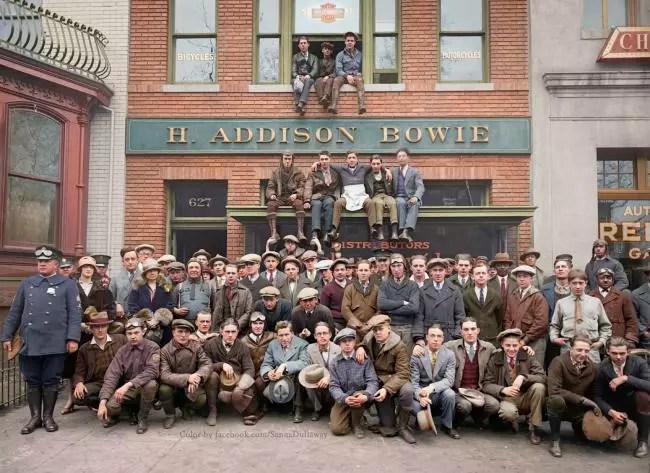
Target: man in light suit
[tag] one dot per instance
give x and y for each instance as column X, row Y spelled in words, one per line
column 408, row 189
column 432, row 377
column 122, row 283
column 321, row 353
column 271, row 261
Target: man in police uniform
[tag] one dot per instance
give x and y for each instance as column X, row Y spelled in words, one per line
column 47, row 311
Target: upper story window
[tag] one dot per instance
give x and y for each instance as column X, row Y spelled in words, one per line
column 193, row 42
column 455, row 193
column 279, row 24
column 606, row 14
column 463, row 48
column 623, row 170
column 31, row 201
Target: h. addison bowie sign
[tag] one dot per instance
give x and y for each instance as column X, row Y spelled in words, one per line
column 385, row 135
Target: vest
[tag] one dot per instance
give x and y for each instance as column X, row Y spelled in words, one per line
column 378, row 187
column 195, row 296
column 401, row 189
column 470, row 372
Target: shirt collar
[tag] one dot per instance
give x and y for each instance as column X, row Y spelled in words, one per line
column 94, row 342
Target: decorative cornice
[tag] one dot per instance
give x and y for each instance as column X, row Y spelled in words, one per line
column 567, row 81
column 31, row 89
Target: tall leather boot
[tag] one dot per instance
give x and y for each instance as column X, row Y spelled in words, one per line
column 275, row 236
column 49, row 400
column 393, row 232
column 143, row 418
column 380, row 232
column 362, row 102
column 34, row 399
column 554, row 446
column 403, row 426
column 211, row 392
column 300, row 234
column 170, row 413
column 334, row 105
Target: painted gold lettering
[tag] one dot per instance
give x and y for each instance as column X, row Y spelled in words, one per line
column 390, row 134
column 262, row 135
column 179, row 133
column 319, row 135
column 459, row 134
column 635, row 253
column 283, row 134
column 480, row 134
column 437, row 132
column 301, row 135
column 630, row 231
column 349, row 134
column 418, row 135
column 628, row 211
column 238, row 135
column 220, row 135
column 642, row 42
column 608, row 231
column 625, row 37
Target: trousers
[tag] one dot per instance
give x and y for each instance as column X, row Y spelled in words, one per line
column 303, row 95
column 407, row 214
column 43, row 370
column 92, row 395
column 143, row 396
column 530, row 402
column 344, row 418
column 339, row 207
column 443, row 402
column 381, row 201
column 272, row 206
column 386, row 408
column 322, row 209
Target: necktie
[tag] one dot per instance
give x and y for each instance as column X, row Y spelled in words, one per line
column 578, row 310
column 471, row 352
column 618, row 370
column 511, row 362
column 228, row 293
column 438, row 286
column 462, row 281
column 504, row 291
column 328, row 178
column 481, row 298
column 131, row 276
column 270, row 277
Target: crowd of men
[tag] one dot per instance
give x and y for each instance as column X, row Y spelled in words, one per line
column 383, row 344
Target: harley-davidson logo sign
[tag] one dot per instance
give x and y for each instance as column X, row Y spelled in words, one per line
column 328, row 13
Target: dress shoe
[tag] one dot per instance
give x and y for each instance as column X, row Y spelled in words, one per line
column 297, row 416
column 404, row 236
column 641, row 449
column 169, row 421
column 212, row 417
column 380, row 233
column 534, row 437
column 359, row 433
column 332, row 110
column 555, row 449
column 514, row 426
column 315, row 417
column 142, row 426
column 453, row 433
column 111, row 421
column 300, row 108
column 133, row 418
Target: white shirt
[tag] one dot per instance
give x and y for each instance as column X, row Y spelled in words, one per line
column 462, row 280
column 404, row 170
column 94, row 342
column 86, row 286
column 342, row 284
column 254, row 277
column 502, row 279
column 326, row 356
column 253, row 337
column 477, row 290
column 603, row 292
column 292, row 286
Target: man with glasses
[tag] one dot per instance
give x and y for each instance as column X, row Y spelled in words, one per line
column 47, row 311
column 322, row 354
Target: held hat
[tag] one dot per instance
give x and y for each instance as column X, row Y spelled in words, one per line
column 280, row 391
column 47, row 252
column 291, row 238
column 101, row 261
column 251, row 258
column 270, row 291
column 529, row 251
column 377, row 320
column 310, row 375
column 65, row 263
column 216, row 258
column 307, row 293
column 345, row 334
column 202, row 252
column 324, row 264
column 274, row 254
column 183, row 323
column 149, row 265
column 87, row 261
column 596, row 427
column 501, row 258
column 425, row 420
column 624, row 434
column 17, row 343
column 166, row 259
column 145, row 246
column 524, row 268
column 163, row 316
column 474, row 396
column 229, row 383
column 511, row 332
column 290, row 259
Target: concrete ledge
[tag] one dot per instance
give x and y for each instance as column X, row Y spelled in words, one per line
column 379, row 87
column 562, row 81
column 269, row 88
column 190, row 88
column 461, row 87
column 262, row 88
column 594, row 34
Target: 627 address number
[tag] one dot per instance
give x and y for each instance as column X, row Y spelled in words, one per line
column 199, row 201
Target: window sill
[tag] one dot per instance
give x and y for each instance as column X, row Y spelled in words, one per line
column 262, row 88
column 190, row 88
column 594, row 34
column 461, row 87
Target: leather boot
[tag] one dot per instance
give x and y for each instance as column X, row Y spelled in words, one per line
column 362, row 102
column 170, row 413
column 334, row 105
column 333, row 235
column 554, row 446
column 49, row 400
column 297, row 415
column 641, row 450
column 555, row 449
column 403, row 426
column 275, row 236
column 212, row 416
column 380, row 233
column 315, row 235
column 143, row 418
column 404, row 236
column 34, row 399
column 393, row 232
column 300, row 234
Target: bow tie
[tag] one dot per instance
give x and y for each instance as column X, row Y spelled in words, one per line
column 228, row 345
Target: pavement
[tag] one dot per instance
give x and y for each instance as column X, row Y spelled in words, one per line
column 276, row 444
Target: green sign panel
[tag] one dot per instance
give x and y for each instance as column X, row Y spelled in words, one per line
column 375, row 135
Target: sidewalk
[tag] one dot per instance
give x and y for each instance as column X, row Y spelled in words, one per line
column 276, row 444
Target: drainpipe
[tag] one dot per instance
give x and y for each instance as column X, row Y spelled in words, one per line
column 111, row 171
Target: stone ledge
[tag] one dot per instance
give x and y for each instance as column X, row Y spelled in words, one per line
column 190, row 88
column 267, row 88
column 559, row 81
column 462, row 87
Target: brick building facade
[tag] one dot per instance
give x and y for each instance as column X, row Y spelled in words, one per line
column 157, row 172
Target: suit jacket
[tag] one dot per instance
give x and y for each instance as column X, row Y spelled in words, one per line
column 295, row 358
column 529, row 314
column 278, row 278
column 485, row 350
column 315, row 187
column 316, row 284
column 358, row 308
column 299, row 320
column 638, row 379
column 255, row 287
column 445, row 308
column 121, row 286
column 241, row 304
column 413, row 184
column 641, row 300
column 496, row 373
column 316, row 358
column 285, row 292
column 456, row 281
column 488, row 315
column 443, row 374
column 369, row 180
column 391, row 363
column 620, row 312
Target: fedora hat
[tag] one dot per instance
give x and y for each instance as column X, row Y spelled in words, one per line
column 216, row 258
column 474, row 396
column 625, row 434
column 280, row 391
column 311, row 375
column 425, row 420
column 529, row 251
column 597, row 427
column 228, row 383
column 202, row 252
column 501, row 258
column 17, row 343
column 98, row 318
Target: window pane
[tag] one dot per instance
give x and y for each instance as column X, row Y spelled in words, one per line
column 626, row 166
column 599, row 166
column 194, row 16
column 385, row 16
column 611, row 181
column 31, row 211
column 616, row 13
column 34, row 144
column 461, row 15
column 269, row 59
column 601, row 181
column 592, row 15
column 611, row 166
column 195, row 60
column 268, row 16
column 317, row 17
column 626, row 181
column 385, row 53
column 461, row 58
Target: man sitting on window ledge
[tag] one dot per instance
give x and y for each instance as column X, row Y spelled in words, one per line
column 348, row 71
column 304, row 70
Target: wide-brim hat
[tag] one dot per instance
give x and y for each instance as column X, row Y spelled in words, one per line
column 625, row 434
column 290, row 259
column 281, row 391
column 275, row 254
column 145, row 246
column 98, row 318
column 229, row 383
column 474, row 396
column 511, row 332
column 501, row 258
column 597, row 428
column 202, row 252
column 216, row 258
column 425, row 420
column 310, row 375
column 529, row 251
column 149, row 265
column 17, row 343
column 524, row 268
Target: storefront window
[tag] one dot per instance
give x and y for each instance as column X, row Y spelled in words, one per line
column 194, row 41
column 32, row 211
column 461, row 194
column 462, row 41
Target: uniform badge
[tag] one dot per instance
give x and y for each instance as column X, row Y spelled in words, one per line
column 51, row 291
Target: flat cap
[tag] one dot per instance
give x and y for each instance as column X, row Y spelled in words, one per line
column 291, row 238
column 524, row 268
column 309, row 254
column 183, row 323
column 216, row 258
column 166, row 259
column 251, row 258
column 176, row 265
column 511, row 332
column 564, row 257
column 345, row 334
column 290, row 259
column 377, row 320
column 437, row 262
column 274, row 254
column 145, row 246
column 307, row 293
column 269, row 291
column 338, row 261
column 324, row 264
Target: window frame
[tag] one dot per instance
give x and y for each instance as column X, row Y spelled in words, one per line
column 485, row 50
column 285, row 35
column 5, row 243
column 631, row 7
column 171, row 45
column 641, row 158
column 450, row 183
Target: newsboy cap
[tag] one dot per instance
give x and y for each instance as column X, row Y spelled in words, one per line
column 307, row 293
column 324, row 264
column 291, row 238
column 524, row 268
column 511, row 332
column 270, row 291
column 166, row 259
column 377, row 320
column 176, row 265
column 436, row 262
column 273, row 254
column 183, row 323
column 309, row 254
column 251, row 258
column 345, row 334
column 145, row 246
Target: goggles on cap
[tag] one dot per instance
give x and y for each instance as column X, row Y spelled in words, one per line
column 44, row 252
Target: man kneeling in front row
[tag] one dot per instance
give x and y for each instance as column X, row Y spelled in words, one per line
column 137, row 366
